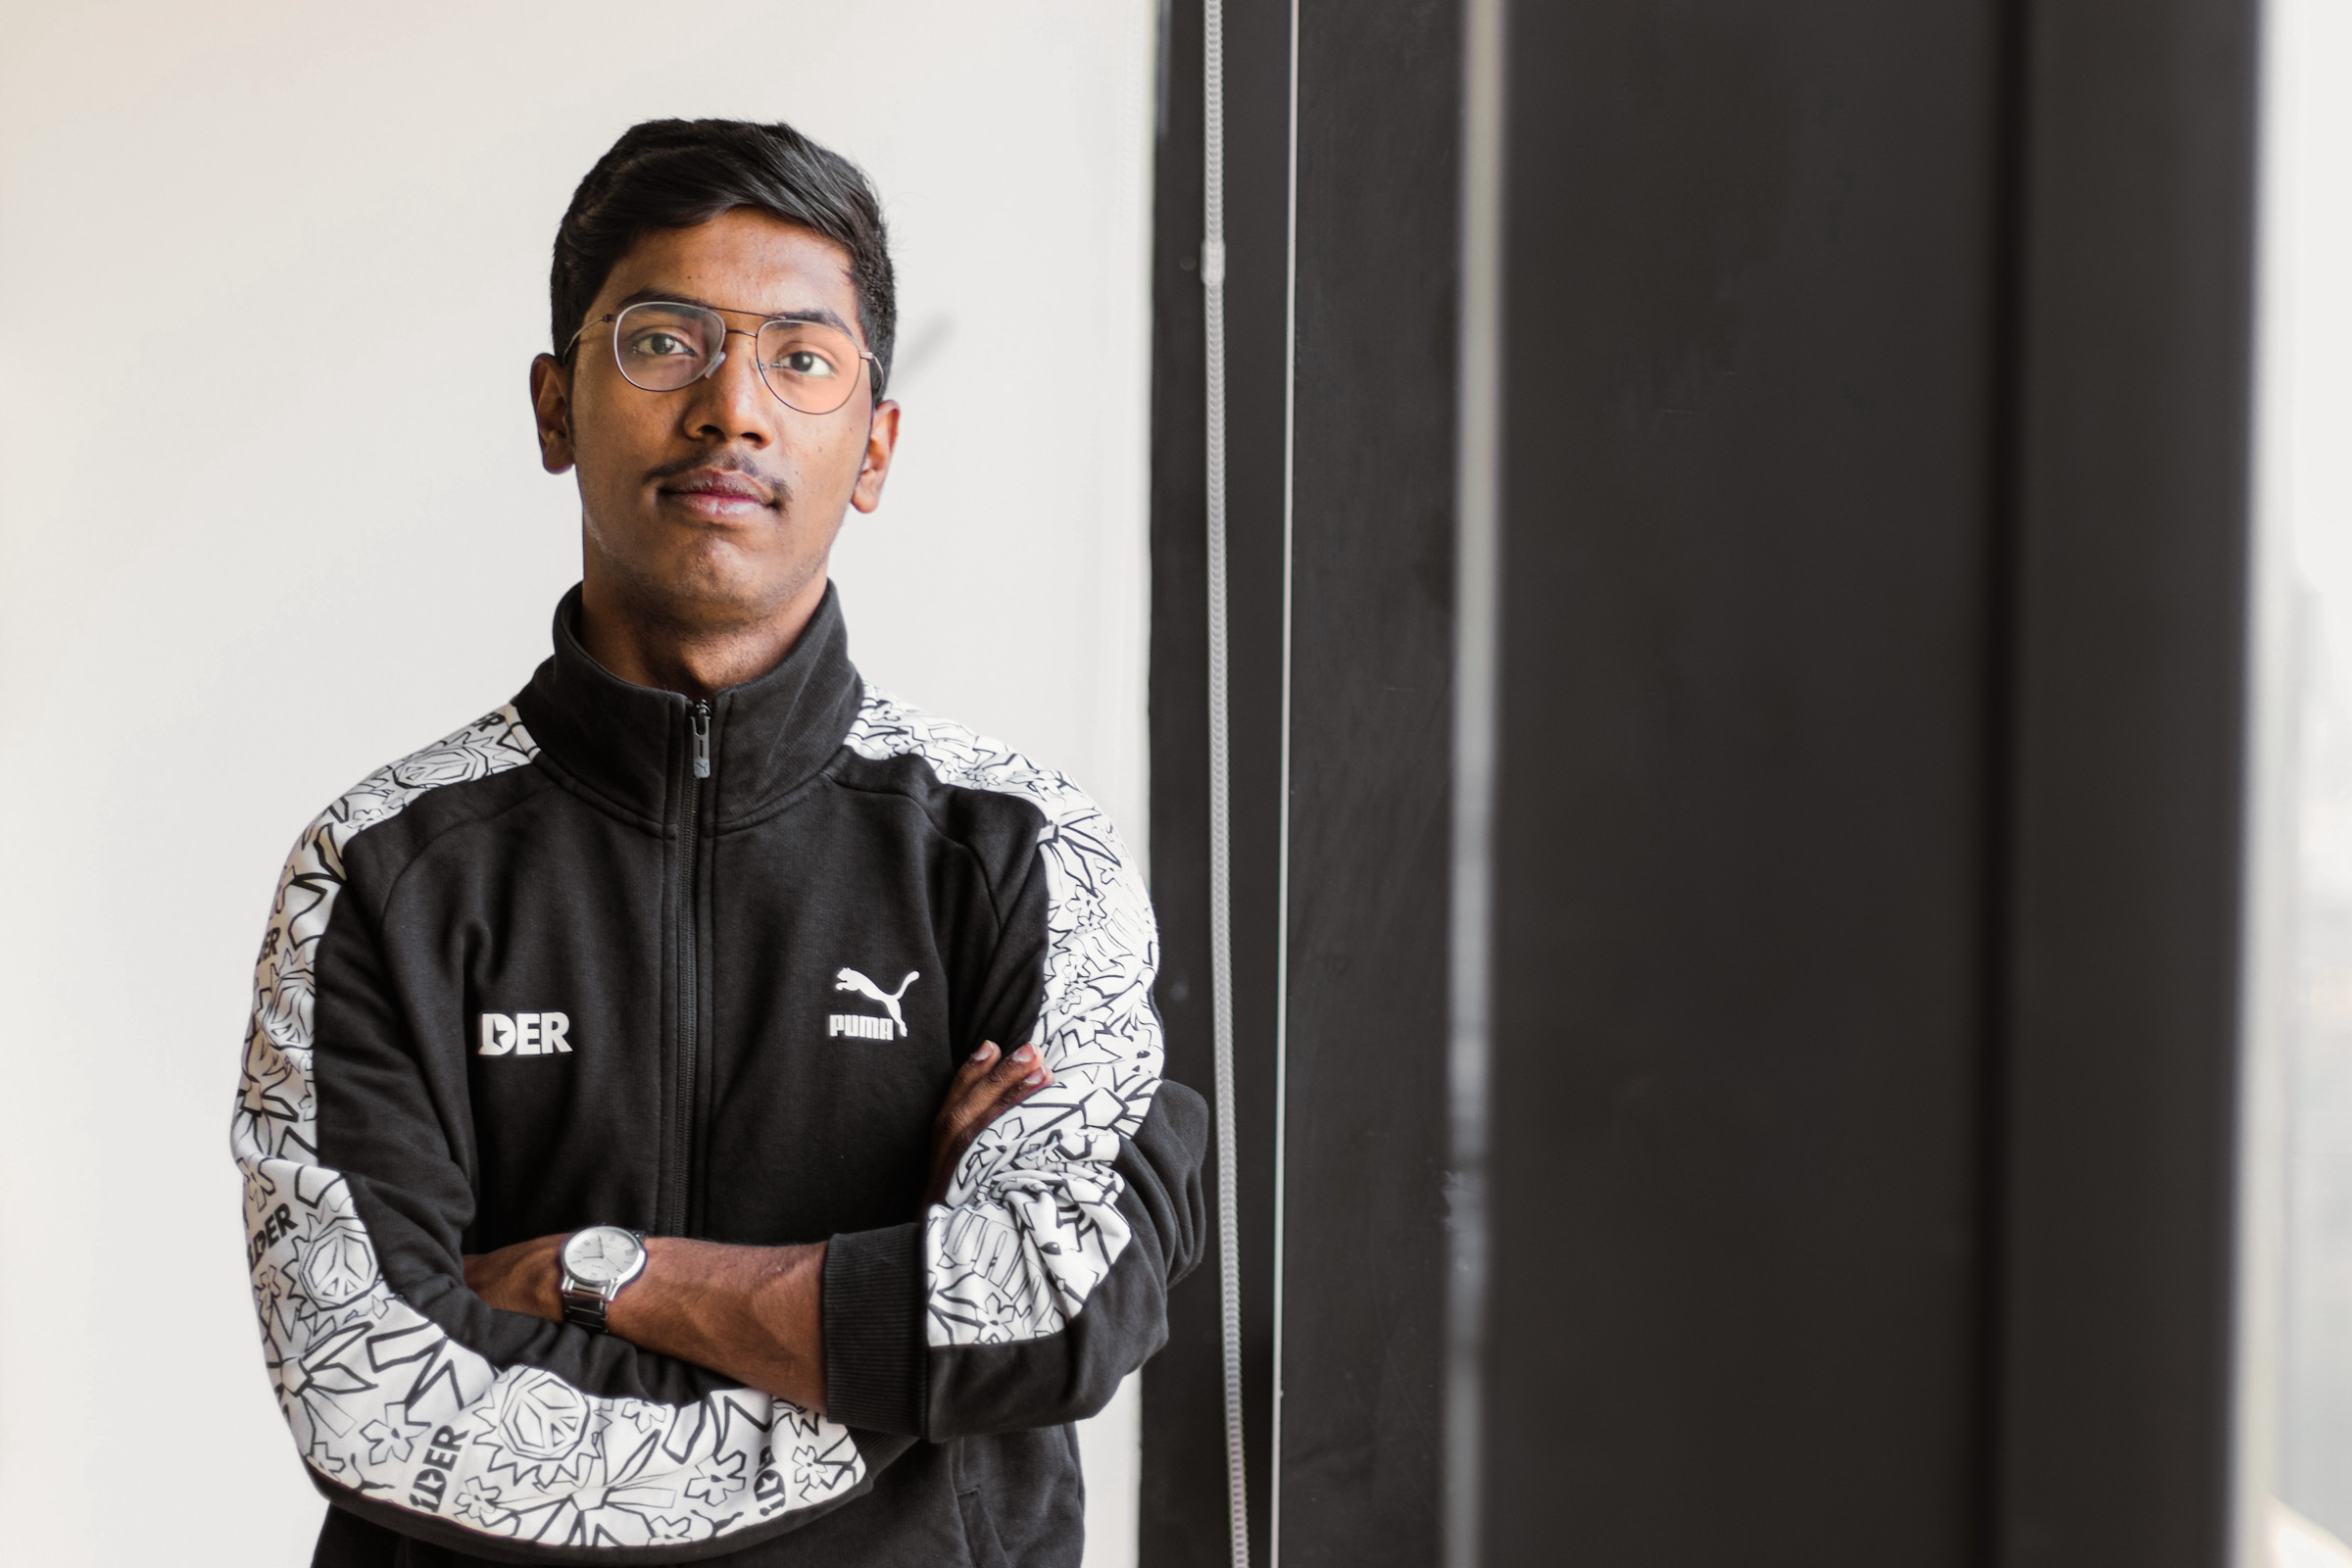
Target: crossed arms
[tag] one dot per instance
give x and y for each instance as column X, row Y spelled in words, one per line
column 751, row 1313
column 440, row 1393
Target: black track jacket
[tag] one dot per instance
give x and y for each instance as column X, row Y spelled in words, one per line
column 607, row 957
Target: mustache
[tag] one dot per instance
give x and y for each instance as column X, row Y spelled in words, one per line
column 779, row 493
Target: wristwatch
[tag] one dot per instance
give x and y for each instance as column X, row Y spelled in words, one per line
column 597, row 1262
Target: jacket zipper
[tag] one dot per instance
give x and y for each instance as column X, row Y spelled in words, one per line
column 690, row 979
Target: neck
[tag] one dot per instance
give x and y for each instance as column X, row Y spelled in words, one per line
column 644, row 645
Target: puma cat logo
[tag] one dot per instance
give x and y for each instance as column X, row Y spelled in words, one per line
column 852, row 980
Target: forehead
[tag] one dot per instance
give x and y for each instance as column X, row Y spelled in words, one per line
column 743, row 260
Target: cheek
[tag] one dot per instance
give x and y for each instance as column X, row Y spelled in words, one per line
column 840, row 456
column 614, row 433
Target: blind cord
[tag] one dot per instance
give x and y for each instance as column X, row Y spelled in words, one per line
column 1220, row 809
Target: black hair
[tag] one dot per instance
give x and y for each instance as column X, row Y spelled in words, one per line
column 675, row 174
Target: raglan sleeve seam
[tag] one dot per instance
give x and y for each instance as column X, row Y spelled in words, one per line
column 955, row 841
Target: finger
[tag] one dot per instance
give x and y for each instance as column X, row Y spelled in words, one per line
column 968, row 1078
column 975, row 1108
column 1013, row 1089
column 976, row 1065
column 1038, row 1074
column 968, row 1107
column 980, row 1083
column 1025, row 1066
column 1020, row 1075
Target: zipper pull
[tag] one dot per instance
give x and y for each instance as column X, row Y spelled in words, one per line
column 700, row 720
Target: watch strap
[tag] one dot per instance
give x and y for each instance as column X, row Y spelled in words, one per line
column 584, row 1306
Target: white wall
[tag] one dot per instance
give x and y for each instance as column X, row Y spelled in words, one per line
column 235, row 578
column 2296, row 1440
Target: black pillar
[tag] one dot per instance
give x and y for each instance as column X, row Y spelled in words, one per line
column 1872, row 469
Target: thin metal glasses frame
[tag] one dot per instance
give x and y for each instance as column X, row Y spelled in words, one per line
column 870, row 367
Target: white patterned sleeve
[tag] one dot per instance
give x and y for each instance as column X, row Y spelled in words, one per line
column 426, row 1410
column 1044, row 1274
column 1033, row 1221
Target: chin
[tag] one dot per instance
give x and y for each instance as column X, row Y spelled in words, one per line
column 706, row 577
column 715, row 587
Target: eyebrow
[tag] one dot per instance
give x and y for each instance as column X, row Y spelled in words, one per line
column 818, row 313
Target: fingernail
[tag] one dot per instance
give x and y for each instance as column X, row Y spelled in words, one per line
column 987, row 1051
column 1034, row 1079
column 1025, row 1053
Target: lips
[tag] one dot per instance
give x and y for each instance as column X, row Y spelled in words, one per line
column 720, row 493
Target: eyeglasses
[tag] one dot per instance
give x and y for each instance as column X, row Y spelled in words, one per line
column 663, row 346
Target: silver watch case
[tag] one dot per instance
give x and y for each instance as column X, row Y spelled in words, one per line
column 597, row 1262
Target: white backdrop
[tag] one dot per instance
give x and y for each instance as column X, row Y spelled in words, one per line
column 2298, row 1442
column 272, row 275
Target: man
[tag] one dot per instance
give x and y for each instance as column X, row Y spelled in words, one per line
column 632, row 1169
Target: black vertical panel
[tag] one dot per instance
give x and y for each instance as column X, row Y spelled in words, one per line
column 1183, row 1511
column 2132, row 442
column 1874, row 471
column 1379, row 115
column 1741, row 895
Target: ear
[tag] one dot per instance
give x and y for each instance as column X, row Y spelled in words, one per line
column 881, row 441
column 551, row 401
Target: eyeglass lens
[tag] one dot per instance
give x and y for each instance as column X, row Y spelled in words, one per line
column 664, row 347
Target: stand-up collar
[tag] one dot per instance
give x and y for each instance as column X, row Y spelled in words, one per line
column 633, row 744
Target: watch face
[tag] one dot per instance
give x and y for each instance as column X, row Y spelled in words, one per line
column 602, row 1255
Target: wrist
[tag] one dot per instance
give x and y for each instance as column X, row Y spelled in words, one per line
column 752, row 1312
column 793, row 1314
column 547, row 1283
column 680, row 1300
column 596, row 1265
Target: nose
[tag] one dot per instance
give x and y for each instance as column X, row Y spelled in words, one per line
column 731, row 403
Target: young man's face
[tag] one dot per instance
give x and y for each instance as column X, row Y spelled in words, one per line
column 715, row 507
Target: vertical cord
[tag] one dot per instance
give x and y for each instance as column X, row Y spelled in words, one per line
column 1478, row 583
column 1282, row 875
column 1220, row 804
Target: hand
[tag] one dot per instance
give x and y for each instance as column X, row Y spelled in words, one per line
column 987, row 1086
column 527, row 1277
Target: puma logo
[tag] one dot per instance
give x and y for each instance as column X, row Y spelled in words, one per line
column 852, row 980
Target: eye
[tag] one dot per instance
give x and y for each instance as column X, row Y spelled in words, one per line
column 657, row 344
column 805, row 363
